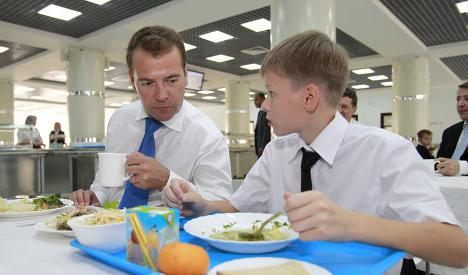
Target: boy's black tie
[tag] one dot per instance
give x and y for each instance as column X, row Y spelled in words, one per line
column 308, row 160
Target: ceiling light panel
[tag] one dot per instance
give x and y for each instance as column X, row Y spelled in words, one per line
column 361, row 86
column 378, row 77
column 251, row 66
column 462, row 6
column 216, row 36
column 209, row 97
column 59, row 12
column 258, row 25
column 206, row 92
column 387, row 83
column 189, row 47
column 3, row 49
column 98, row 2
column 363, row 71
column 189, row 94
column 220, row 58
column 221, row 89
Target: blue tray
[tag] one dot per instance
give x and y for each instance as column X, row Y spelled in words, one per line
column 338, row 258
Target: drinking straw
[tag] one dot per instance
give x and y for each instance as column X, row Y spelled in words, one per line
column 141, row 237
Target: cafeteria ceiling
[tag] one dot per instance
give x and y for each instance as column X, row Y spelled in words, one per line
column 373, row 32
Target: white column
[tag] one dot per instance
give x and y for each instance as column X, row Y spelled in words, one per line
column 291, row 17
column 410, row 95
column 6, row 111
column 237, row 114
column 85, row 84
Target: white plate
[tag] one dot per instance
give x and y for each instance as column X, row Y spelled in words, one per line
column 36, row 213
column 259, row 262
column 42, row 227
column 203, row 227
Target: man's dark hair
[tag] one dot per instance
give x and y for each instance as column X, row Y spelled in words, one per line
column 351, row 94
column 156, row 40
column 260, row 95
column 463, row 86
column 424, row 132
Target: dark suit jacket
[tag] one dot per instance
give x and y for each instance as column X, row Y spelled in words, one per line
column 449, row 142
column 424, row 152
column 262, row 131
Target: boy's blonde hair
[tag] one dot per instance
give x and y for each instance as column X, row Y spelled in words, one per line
column 310, row 57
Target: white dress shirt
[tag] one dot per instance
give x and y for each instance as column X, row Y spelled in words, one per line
column 26, row 136
column 189, row 145
column 362, row 168
column 463, row 163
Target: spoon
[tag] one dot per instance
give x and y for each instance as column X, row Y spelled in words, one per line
column 257, row 235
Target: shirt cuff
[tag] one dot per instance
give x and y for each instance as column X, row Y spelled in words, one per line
column 463, row 167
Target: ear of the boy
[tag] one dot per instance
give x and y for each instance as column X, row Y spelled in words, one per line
column 312, row 97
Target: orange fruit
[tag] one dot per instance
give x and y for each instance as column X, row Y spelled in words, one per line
column 183, row 259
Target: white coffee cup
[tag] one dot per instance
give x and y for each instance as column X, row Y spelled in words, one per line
column 111, row 169
column 429, row 163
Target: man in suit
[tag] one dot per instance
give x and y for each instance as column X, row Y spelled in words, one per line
column 348, row 104
column 453, row 153
column 424, row 141
column 262, row 129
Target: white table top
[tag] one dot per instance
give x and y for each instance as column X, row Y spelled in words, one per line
column 23, row 250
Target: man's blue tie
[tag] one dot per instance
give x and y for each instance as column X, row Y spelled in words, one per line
column 461, row 146
column 134, row 196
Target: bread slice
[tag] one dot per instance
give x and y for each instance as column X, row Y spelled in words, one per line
column 289, row 267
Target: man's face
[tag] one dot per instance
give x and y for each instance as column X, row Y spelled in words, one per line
column 426, row 140
column 160, row 82
column 462, row 103
column 346, row 108
column 283, row 105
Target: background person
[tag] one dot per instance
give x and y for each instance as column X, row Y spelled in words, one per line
column 348, row 104
column 57, row 136
column 262, row 129
column 185, row 143
column 26, row 136
column 453, row 153
column 424, row 141
column 393, row 202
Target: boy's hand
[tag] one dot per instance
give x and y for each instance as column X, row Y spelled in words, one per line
column 179, row 194
column 315, row 217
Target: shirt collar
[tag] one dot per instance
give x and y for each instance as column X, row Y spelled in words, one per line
column 175, row 123
column 327, row 143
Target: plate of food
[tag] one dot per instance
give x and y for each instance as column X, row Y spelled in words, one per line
column 59, row 225
column 222, row 231
column 267, row 266
column 18, row 208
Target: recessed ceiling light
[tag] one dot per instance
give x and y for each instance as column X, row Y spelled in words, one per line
column 363, row 71
column 108, row 83
column 216, row 36
column 387, row 83
column 420, row 96
column 251, row 67
column 462, row 6
column 125, row 102
column 209, row 97
column 223, row 100
column 189, row 47
column 258, row 25
column 59, row 12
column 378, row 77
column 98, row 2
column 110, row 68
column 205, row 92
column 3, row 49
column 115, row 104
column 361, row 86
column 130, row 87
column 188, row 94
column 251, row 98
column 221, row 89
column 251, row 93
column 220, row 58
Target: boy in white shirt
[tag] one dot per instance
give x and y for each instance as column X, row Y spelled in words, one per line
column 367, row 184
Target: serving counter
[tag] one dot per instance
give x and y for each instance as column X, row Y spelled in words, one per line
column 28, row 172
